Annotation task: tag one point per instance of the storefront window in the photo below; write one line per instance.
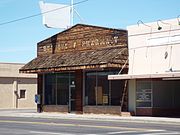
(50, 89)
(57, 88)
(91, 80)
(144, 94)
(100, 91)
(62, 89)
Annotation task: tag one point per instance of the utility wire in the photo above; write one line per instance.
(31, 16)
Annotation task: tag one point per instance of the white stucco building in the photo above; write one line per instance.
(154, 68)
(17, 90)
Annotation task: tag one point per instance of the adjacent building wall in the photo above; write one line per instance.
(153, 51)
(153, 58)
(12, 70)
(30, 85)
(11, 82)
(6, 93)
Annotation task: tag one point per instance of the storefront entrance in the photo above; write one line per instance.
(72, 98)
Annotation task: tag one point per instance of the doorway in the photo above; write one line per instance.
(72, 98)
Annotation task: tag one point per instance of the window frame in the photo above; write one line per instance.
(24, 94)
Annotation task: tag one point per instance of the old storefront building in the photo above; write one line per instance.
(154, 68)
(73, 68)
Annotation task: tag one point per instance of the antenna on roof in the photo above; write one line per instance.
(72, 12)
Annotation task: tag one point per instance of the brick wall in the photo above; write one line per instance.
(102, 109)
(144, 111)
(55, 108)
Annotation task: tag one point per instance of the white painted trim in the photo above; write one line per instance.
(144, 76)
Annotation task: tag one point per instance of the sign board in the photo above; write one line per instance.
(144, 95)
(55, 15)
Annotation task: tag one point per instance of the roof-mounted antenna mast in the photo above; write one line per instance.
(72, 12)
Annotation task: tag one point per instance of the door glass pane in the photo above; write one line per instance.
(73, 98)
(72, 78)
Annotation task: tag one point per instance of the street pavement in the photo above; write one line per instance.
(38, 126)
(29, 122)
(33, 113)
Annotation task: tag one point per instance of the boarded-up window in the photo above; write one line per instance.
(22, 93)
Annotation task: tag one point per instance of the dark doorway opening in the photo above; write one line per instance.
(72, 98)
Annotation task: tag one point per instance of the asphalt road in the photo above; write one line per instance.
(40, 126)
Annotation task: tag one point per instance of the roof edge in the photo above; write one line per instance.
(71, 68)
(144, 76)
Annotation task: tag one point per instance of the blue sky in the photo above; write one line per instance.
(18, 40)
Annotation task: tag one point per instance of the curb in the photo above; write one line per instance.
(155, 120)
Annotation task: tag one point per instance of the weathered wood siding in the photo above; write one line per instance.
(79, 92)
(80, 47)
(81, 37)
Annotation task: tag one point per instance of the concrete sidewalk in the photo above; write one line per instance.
(100, 117)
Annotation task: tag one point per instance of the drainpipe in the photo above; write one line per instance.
(15, 85)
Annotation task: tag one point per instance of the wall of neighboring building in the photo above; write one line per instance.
(6, 93)
(154, 49)
(157, 51)
(30, 87)
(12, 70)
(153, 58)
(11, 82)
(9, 99)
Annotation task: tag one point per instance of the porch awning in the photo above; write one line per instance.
(165, 76)
(102, 58)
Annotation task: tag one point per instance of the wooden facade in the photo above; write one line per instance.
(79, 49)
(79, 92)
(81, 38)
